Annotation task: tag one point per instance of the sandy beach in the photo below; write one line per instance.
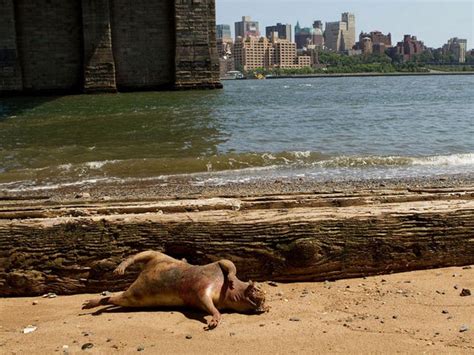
(417, 312)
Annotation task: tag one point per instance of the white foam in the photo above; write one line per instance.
(446, 160)
(299, 154)
(99, 164)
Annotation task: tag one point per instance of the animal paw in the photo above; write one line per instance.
(213, 323)
(120, 270)
(89, 304)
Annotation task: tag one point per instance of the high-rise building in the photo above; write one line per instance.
(318, 34)
(456, 47)
(350, 34)
(252, 53)
(340, 36)
(306, 36)
(223, 33)
(318, 24)
(246, 28)
(283, 30)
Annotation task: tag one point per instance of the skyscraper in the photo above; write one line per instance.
(223, 33)
(350, 34)
(306, 36)
(340, 36)
(283, 30)
(246, 28)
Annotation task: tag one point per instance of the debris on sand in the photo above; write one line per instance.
(464, 328)
(50, 295)
(272, 283)
(87, 346)
(29, 329)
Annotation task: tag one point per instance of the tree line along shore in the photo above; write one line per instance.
(336, 63)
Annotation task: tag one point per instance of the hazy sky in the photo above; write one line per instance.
(434, 22)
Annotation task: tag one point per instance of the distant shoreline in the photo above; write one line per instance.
(345, 75)
(357, 75)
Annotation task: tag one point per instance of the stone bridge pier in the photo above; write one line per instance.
(73, 46)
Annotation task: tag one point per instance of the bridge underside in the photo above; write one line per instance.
(107, 45)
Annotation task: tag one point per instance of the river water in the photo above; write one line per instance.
(319, 128)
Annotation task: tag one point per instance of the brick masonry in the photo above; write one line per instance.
(99, 64)
(49, 40)
(196, 48)
(107, 45)
(10, 71)
(143, 43)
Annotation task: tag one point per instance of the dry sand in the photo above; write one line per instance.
(417, 312)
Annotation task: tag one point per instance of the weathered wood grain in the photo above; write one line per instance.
(73, 247)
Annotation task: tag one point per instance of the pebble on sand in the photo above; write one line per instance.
(465, 292)
(87, 346)
(463, 329)
(29, 329)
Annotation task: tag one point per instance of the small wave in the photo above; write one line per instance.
(394, 161)
(99, 164)
(446, 160)
(65, 167)
(232, 165)
(366, 161)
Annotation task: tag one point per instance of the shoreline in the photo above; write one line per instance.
(190, 186)
(357, 75)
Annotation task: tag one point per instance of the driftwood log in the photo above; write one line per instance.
(73, 247)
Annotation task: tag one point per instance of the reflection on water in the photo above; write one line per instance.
(314, 125)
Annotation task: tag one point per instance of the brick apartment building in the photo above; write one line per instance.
(373, 42)
(251, 53)
(408, 48)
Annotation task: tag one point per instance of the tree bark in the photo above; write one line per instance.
(73, 247)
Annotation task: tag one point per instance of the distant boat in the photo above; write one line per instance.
(233, 75)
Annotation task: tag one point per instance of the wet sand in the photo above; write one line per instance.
(192, 186)
(417, 312)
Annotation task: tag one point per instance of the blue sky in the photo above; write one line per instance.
(433, 22)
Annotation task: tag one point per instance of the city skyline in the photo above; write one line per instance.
(433, 22)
